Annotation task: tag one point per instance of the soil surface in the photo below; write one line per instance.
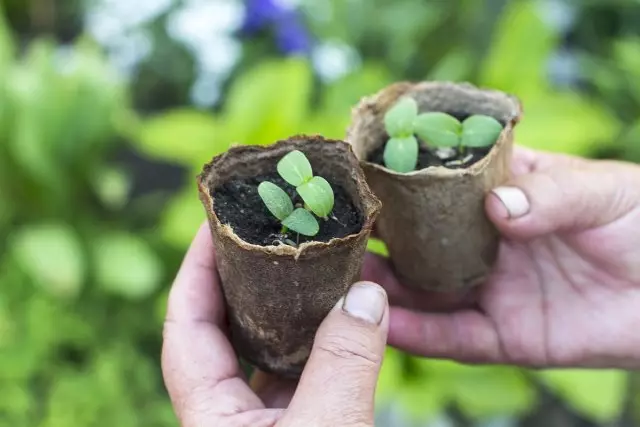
(428, 157)
(238, 204)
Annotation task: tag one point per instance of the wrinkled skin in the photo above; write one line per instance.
(205, 382)
(566, 287)
(564, 292)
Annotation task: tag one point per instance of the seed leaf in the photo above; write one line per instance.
(301, 221)
(480, 131)
(295, 168)
(276, 200)
(438, 129)
(318, 196)
(398, 120)
(401, 154)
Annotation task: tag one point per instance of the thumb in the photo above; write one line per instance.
(564, 198)
(338, 384)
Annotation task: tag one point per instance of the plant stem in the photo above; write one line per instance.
(284, 229)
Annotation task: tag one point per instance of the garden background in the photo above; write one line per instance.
(108, 109)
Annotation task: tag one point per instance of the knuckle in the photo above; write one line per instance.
(356, 349)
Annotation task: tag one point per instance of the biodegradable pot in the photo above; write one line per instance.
(277, 296)
(433, 220)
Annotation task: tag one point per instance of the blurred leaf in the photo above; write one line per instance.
(454, 66)
(438, 129)
(53, 257)
(181, 218)
(113, 186)
(400, 118)
(485, 393)
(390, 378)
(480, 131)
(423, 399)
(182, 136)
(401, 154)
(521, 47)
(269, 102)
(126, 265)
(564, 122)
(598, 395)
(378, 247)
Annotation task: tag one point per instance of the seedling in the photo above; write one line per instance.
(315, 191)
(440, 131)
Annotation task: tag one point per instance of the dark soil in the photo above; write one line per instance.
(238, 204)
(427, 157)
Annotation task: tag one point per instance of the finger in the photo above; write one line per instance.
(378, 269)
(200, 368)
(273, 391)
(570, 197)
(467, 336)
(338, 383)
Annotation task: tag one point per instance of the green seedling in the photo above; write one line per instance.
(438, 130)
(315, 191)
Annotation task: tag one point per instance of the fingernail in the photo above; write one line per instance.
(514, 200)
(366, 301)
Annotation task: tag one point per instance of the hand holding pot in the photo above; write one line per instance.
(566, 288)
(206, 384)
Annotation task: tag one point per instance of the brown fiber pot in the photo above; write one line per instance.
(433, 220)
(277, 296)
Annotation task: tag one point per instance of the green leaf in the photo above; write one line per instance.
(317, 195)
(181, 218)
(276, 199)
(480, 131)
(598, 395)
(482, 394)
(295, 168)
(269, 101)
(398, 120)
(126, 265)
(301, 221)
(401, 154)
(438, 129)
(183, 136)
(53, 256)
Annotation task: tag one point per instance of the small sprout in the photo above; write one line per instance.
(401, 154)
(295, 168)
(315, 191)
(317, 195)
(276, 199)
(399, 119)
(480, 131)
(439, 130)
(301, 221)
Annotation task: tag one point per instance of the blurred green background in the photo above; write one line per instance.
(108, 109)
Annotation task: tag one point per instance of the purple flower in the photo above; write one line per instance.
(292, 37)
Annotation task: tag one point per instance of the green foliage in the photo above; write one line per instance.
(80, 344)
(317, 195)
(401, 154)
(276, 200)
(315, 192)
(437, 129)
(295, 168)
(53, 257)
(125, 265)
(440, 129)
(596, 394)
(301, 221)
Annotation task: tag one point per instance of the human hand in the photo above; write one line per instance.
(207, 387)
(566, 287)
